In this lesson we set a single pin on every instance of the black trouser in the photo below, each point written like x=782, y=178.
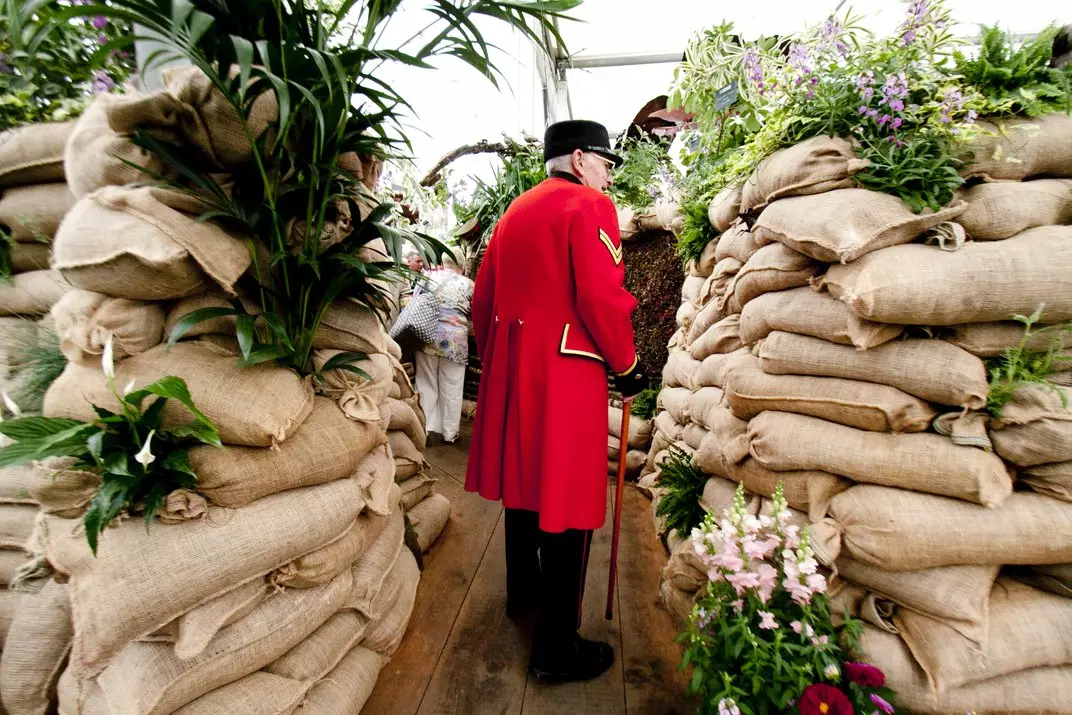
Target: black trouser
x=551, y=568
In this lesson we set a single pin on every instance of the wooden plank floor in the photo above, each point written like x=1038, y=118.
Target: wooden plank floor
x=462, y=655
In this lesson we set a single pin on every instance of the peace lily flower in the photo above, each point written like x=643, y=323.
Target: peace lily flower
x=107, y=362
x=10, y=404
x=129, y=388
x=145, y=457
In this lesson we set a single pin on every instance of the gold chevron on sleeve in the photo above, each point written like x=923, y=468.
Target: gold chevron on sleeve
x=615, y=251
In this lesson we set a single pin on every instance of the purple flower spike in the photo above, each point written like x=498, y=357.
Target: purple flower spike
x=100, y=22
x=896, y=123
x=883, y=119
x=897, y=105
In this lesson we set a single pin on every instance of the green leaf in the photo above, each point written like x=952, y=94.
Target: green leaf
x=32, y=428
x=264, y=353
x=195, y=430
x=188, y=321
x=103, y=509
x=175, y=388
x=117, y=464
x=245, y=330
x=16, y=454
x=244, y=52
x=278, y=328
x=179, y=461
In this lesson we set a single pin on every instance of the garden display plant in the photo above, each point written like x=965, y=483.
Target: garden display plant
x=317, y=67
x=760, y=640
x=905, y=100
x=139, y=461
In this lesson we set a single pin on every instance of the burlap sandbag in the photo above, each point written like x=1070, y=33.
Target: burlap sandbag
x=415, y=489
x=85, y=320
x=683, y=569
x=932, y=370
x=395, y=604
x=808, y=491
x=640, y=429
x=660, y=217
x=718, y=497
x=665, y=423
x=16, y=524
x=1028, y=628
x=194, y=630
x=359, y=397
x=327, y=446
x=854, y=403
x=959, y=596
x=35, y=649
x=430, y=517
x=223, y=326
x=808, y=312
x=725, y=207
x=10, y=561
x=347, y=687
x=18, y=336
x=678, y=602
x=1017, y=149
x=33, y=213
x=256, y=406
x=149, y=679
x=920, y=462
x=686, y=313
x=126, y=243
x=721, y=337
x=712, y=372
x=33, y=154
x=813, y=166
x=901, y=530
x=259, y=693
x=993, y=339
x=32, y=293
x=703, y=403
x=737, y=242
x=211, y=122
x=706, y=263
x=408, y=459
x=1039, y=691
x=1035, y=427
x=141, y=580
x=315, y=656
x=99, y=144
x=840, y=226
x=372, y=569
x=675, y=400
x=708, y=457
x=1054, y=480
x=26, y=257
x=15, y=483
x=694, y=434
x=715, y=285
x=1001, y=210
x=327, y=562
x=922, y=285
x=681, y=370
x=60, y=490
x=690, y=288
x=772, y=268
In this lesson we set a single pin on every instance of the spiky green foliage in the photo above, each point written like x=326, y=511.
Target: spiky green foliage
x=44, y=363
x=645, y=166
x=683, y=483
x=1020, y=367
x=1017, y=80
x=520, y=172
x=643, y=405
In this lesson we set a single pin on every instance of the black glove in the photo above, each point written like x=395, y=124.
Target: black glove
x=631, y=382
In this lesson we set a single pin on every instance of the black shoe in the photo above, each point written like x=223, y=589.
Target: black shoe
x=583, y=660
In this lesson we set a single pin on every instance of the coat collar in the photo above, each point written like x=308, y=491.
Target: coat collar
x=565, y=175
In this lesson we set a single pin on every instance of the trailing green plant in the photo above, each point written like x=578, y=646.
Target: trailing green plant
x=519, y=172
x=1017, y=80
x=6, y=244
x=47, y=69
x=1020, y=366
x=138, y=459
x=331, y=101
x=683, y=484
x=645, y=175
x=44, y=363
x=644, y=404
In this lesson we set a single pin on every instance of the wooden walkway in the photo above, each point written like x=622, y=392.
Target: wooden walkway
x=463, y=656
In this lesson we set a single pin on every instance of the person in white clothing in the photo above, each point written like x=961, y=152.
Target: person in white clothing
x=441, y=365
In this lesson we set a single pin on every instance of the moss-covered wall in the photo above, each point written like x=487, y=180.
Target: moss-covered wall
x=654, y=275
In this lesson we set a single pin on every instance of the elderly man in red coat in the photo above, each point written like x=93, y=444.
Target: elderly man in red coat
x=551, y=318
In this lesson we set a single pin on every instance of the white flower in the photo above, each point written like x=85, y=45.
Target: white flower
x=11, y=406
x=832, y=672
x=145, y=456
x=107, y=363
x=129, y=388
x=727, y=706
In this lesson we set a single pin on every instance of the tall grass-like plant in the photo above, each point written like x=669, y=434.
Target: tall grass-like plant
x=1020, y=366
x=44, y=363
x=320, y=65
x=519, y=173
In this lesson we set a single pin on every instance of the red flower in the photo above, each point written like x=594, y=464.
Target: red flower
x=820, y=699
x=864, y=675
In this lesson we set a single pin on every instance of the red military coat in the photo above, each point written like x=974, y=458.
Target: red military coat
x=551, y=316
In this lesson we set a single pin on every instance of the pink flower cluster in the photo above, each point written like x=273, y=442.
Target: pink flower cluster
x=756, y=555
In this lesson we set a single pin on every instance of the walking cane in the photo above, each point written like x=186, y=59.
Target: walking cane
x=623, y=447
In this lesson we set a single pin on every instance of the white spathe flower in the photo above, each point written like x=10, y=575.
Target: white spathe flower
x=11, y=406
x=107, y=361
x=145, y=457
x=129, y=388
x=832, y=672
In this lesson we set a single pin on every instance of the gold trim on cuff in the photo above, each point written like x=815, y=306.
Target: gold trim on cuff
x=567, y=351
x=636, y=359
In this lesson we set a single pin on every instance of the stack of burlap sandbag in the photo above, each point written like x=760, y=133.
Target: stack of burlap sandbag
x=636, y=451
x=18, y=510
x=283, y=582
x=33, y=200
x=663, y=215
x=832, y=350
